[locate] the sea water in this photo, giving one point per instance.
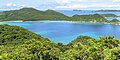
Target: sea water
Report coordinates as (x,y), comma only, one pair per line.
(66,32)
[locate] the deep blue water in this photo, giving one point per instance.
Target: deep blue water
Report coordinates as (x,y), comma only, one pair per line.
(65,32)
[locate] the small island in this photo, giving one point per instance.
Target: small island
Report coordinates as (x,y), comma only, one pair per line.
(108,11)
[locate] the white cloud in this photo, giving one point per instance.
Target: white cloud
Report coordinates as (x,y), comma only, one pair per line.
(11,4)
(73,6)
(14,5)
(69,1)
(63,1)
(104,5)
(116,0)
(114,6)
(79,4)
(62,4)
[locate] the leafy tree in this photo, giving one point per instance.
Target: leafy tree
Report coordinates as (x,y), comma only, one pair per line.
(17,43)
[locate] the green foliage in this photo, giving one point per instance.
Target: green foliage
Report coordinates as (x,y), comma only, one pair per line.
(114,20)
(108,11)
(30,50)
(31,14)
(14,34)
(21,44)
(88,18)
(108,15)
(103,49)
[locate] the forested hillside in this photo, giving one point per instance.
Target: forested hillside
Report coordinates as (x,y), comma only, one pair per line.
(88,18)
(31,14)
(108,15)
(17,43)
(9,34)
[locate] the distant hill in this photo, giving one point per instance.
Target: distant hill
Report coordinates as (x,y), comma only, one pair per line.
(31,14)
(115,20)
(108,15)
(88,18)
(108,11)
(26,14)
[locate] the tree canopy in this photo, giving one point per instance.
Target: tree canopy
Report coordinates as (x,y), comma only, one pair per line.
(17,43)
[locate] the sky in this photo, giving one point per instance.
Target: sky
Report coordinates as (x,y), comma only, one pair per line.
(61,4)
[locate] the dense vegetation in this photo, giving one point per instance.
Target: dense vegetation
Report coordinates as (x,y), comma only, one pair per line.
(26,14)
(115,20)
(31,14)
(88,18)
(108,11)
(108,15)
(15,33)
(30,46)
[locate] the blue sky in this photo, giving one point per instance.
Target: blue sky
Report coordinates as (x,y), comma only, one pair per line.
(60,4)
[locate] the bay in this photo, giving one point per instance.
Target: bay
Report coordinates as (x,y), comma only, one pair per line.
(66,32)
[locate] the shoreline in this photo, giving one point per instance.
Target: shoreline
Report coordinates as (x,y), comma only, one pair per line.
(12,21)
(113,23)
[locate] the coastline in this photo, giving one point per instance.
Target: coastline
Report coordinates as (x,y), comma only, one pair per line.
(12,21)
(113,23)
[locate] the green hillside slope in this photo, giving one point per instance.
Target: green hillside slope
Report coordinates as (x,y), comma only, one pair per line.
(17,43)
(28,14)
(88,18)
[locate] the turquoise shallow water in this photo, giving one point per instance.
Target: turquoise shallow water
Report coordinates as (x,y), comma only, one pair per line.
(65,32)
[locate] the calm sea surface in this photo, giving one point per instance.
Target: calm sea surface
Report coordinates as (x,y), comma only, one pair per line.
(65,32)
